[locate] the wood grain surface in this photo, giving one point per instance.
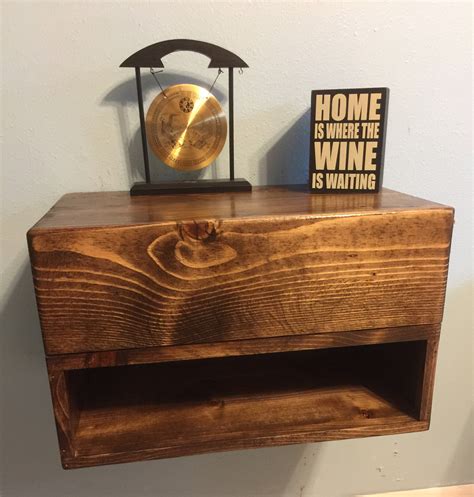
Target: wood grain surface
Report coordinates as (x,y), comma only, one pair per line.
(101,442)
(185,407)
(179,325)
(265,271)
(100,209)
(256,346)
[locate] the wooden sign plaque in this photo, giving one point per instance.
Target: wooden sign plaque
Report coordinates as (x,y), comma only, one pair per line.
(347,140)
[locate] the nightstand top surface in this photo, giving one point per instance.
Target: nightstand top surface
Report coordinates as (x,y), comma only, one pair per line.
(99,209)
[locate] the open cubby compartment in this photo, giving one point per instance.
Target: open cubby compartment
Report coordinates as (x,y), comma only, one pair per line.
(191,406)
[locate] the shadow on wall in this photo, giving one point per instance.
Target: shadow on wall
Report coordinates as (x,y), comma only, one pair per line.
(463,455)
(286,161)
(124,96)
(29,456)
(455,388)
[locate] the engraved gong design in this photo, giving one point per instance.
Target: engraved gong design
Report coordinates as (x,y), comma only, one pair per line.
(186,127)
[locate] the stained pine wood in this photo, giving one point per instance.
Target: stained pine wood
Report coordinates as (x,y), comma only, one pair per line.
(65,411)
(177,408)
(99,209)
(255,346)
(144,433)
(177,326)
(116,272)
(427,387)
(110,409)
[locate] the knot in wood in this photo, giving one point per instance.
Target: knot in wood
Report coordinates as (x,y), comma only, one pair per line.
(202,245)
(199,231)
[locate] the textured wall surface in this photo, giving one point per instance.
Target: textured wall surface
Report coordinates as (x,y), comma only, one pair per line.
(70,124)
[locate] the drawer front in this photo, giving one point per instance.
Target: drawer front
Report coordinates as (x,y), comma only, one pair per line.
(204,281)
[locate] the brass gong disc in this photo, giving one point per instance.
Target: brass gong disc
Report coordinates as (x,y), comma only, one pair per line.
(186,127)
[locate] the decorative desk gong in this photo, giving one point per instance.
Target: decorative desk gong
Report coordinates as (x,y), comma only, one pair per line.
(185,125)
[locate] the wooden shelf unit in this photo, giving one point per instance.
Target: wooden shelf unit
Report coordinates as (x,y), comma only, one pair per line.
(181,325)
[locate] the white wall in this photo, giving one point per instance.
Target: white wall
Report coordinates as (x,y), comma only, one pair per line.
(70,124)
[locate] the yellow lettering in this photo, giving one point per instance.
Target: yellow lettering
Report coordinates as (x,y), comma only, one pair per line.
(331,180)
(319,130)
(331,130)
(355,159)
(340,181)
(357,106)
(338,107)
(325,154)
(371,184)
(375,106)
(323,106)
(370,154)
(319,180)
(342,156)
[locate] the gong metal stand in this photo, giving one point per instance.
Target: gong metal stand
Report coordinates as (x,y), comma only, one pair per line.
(150,57)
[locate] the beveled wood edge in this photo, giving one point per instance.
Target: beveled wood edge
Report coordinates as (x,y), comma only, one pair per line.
(37,230)
(297,187)
(428,206)
(127,357)
(429,378)
(223,445)
(62,412)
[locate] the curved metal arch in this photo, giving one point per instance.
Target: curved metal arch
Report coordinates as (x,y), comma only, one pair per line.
(151,56)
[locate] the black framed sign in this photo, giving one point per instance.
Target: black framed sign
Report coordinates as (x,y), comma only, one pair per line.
(347,143)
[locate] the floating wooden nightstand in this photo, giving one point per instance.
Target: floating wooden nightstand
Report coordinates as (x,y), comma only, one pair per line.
(177,325)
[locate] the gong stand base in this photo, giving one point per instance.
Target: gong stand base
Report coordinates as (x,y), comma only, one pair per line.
(192,186)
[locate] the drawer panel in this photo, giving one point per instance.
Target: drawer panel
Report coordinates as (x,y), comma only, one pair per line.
(217,280)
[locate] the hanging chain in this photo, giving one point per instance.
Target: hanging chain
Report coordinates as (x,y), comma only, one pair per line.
(154,74)
(219,72)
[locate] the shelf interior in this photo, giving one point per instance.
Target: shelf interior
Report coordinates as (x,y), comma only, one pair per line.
(187,403)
